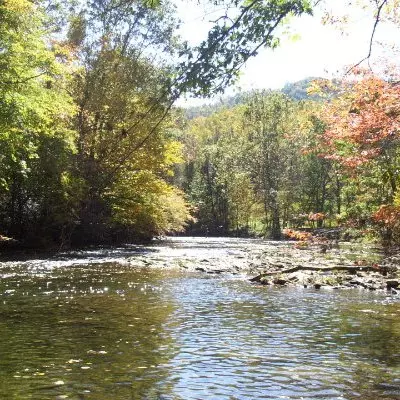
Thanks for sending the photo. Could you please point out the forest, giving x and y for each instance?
(94, 151)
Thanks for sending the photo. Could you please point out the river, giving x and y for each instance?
(90, 325)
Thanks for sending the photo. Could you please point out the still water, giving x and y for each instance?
(107, 330)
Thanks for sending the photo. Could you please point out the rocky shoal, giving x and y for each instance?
(284, 264)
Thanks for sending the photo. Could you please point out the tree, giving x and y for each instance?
(270, 116)
(364, 126)
(362, 137)
(254, 167)
(217, 178)
(124, 151)
(85, 139)
(34, 115)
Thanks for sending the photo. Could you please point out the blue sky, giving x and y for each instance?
(321, 50)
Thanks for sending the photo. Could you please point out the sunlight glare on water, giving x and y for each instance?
(108, 330)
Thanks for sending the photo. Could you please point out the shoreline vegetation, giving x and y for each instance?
(94, 150)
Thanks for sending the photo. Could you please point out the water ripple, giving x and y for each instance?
(105, 330)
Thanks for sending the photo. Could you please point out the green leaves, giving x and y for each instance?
(232, 41)
(35, 135)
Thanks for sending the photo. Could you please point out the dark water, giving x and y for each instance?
(110, 331)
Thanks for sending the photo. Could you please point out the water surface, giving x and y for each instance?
(107, 330)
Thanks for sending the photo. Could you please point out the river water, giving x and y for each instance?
(88, 325)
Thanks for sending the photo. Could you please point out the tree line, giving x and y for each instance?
(92, 149)
(274, 162)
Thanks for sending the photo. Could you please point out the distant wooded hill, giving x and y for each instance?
(295, 90)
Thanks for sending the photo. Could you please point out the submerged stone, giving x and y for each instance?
(317, 285)
(280, 281)
(392, 284)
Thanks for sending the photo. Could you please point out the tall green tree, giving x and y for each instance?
(35, 112)
(270, 116)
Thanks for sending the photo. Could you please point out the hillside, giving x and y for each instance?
(295, 90)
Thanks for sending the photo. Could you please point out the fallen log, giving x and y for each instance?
(347, 268)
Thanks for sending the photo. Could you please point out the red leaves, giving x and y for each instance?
(387, 215)
(362, 121)
(297, 235)
(316, 216)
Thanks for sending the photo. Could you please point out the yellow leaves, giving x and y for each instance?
(321, 87)
(173, 153)
(392, 10)
(35, 79)
(296, 37)
(149, 204)
(65, 178)
(19, 6)
(396, 200)
(174, 211)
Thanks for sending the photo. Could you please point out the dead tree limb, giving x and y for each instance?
(347, 268)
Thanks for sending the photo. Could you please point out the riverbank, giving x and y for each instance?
(283, 263)
(340, 265)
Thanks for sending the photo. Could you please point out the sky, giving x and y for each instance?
(320, 50)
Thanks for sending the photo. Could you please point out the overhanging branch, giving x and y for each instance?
(377, 20)
(23, 80)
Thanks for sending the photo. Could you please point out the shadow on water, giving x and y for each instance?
(86, 334)
(88, 253)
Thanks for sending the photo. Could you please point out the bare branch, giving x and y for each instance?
(377, 20)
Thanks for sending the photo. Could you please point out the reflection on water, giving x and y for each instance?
(108, 331)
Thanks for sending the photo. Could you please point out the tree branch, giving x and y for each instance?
(377, 20)
(179, 85)
(22, 80)
(349, 268)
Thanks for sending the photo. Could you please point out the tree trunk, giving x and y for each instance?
(338, 194)
(276, 233)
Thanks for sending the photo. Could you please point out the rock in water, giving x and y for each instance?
(392, 284)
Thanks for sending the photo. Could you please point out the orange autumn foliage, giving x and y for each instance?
(297, 235)
(363, 122)
(387, 215)
(316, 216)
